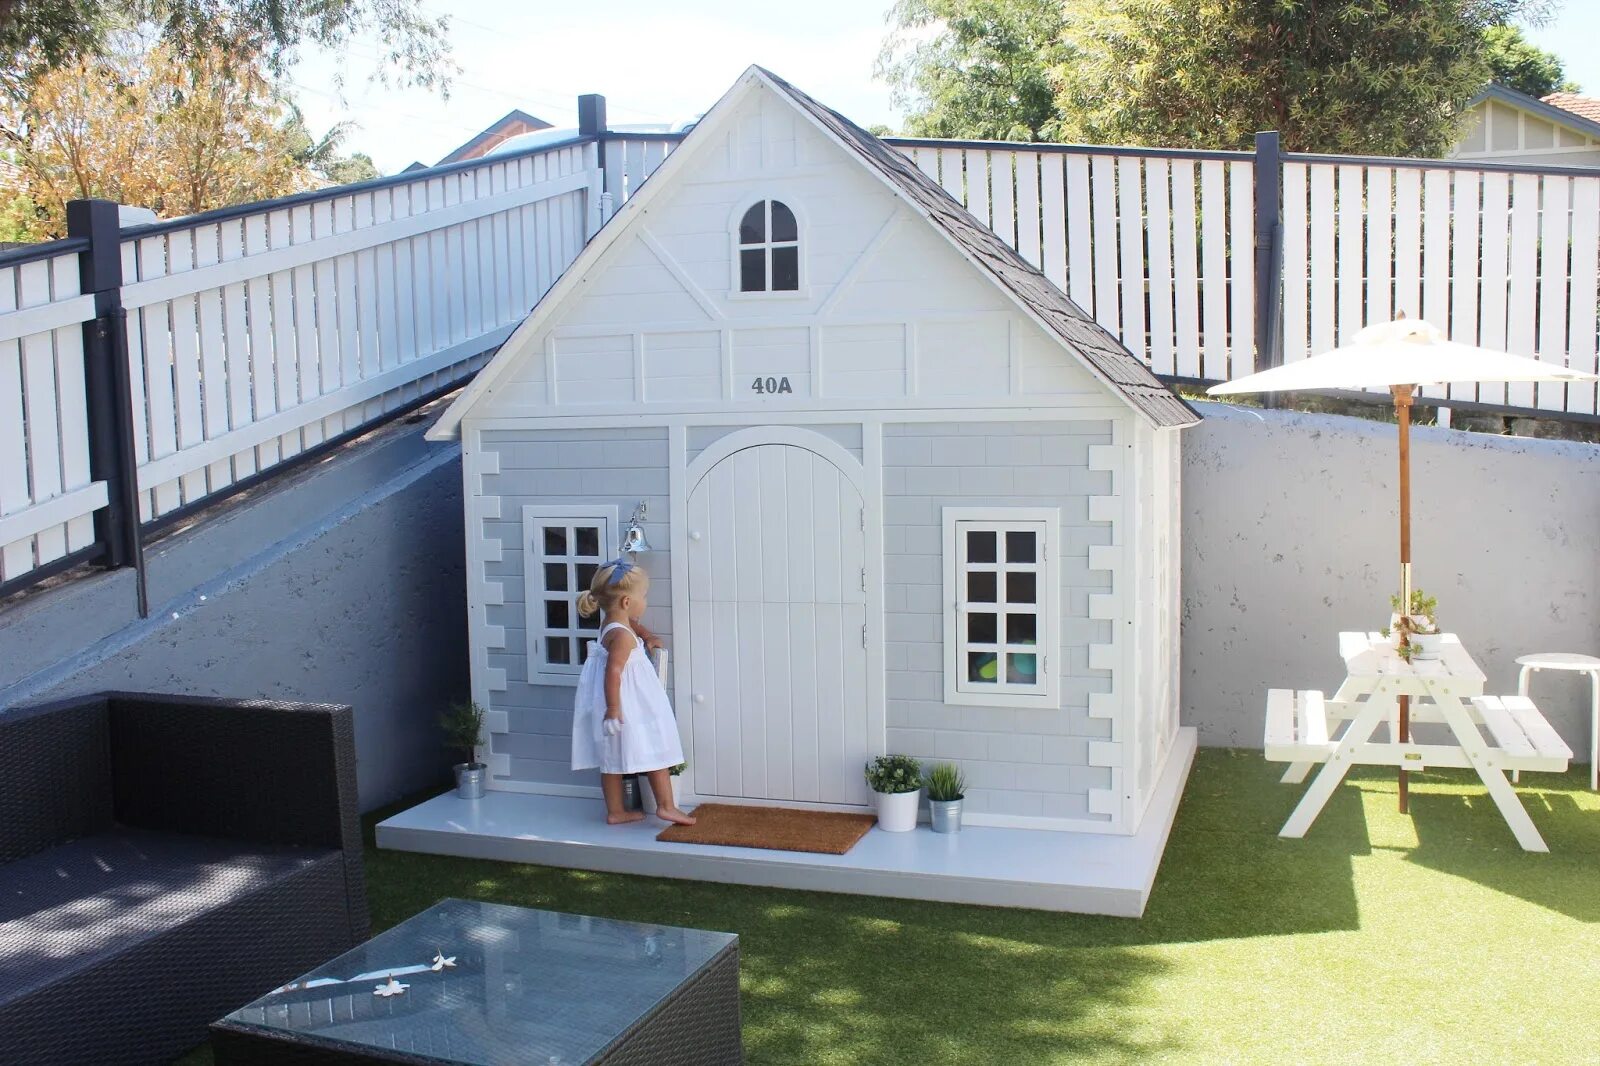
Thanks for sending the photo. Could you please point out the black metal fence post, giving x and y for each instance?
(592, 123)
(109, 388)
(1269, 251)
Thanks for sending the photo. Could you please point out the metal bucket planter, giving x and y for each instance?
(897, 811)
(945, 815)
(630, 793)
(469, 780)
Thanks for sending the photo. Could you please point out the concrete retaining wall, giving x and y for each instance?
(341, 583)
(1291, 535)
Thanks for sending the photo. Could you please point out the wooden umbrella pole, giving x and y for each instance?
(1402, 411)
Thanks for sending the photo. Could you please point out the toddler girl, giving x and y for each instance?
(621, 720)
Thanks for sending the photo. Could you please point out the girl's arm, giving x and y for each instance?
(618, 645)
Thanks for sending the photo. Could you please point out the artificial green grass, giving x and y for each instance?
(1380, 938)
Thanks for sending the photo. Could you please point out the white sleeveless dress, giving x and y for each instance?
(649, 737)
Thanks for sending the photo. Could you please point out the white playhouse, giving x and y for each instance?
(900, 495)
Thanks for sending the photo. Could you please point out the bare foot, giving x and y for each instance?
(624, 817)
(675, 816)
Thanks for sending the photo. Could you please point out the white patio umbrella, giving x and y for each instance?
(1401, 355)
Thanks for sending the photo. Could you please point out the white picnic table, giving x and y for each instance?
(1304, 728)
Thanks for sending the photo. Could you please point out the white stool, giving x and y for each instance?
(1582, 664)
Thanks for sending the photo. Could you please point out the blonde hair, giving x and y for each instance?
(603, 595)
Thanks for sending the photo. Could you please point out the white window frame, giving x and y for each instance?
(534, 521)
(801, 291)
(1046, 522)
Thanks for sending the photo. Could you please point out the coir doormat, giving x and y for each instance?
(774, 828)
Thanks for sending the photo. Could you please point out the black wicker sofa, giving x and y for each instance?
(164, 859)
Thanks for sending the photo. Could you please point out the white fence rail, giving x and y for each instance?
(256, 334)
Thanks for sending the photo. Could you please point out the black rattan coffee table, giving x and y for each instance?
(525, 986)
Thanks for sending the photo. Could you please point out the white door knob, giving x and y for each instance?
(694, 534)
(698, 698)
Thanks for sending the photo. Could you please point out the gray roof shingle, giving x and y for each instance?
(1104, 354)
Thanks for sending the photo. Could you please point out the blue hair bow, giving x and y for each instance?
(620, 570)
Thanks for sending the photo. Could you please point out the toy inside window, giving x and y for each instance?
(769, 249)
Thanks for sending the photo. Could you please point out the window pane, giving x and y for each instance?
(981, 586)
(981, 667)
(753, 227)
(558, 650)
(1021, 546)
(753, 270)
(1022, 629)
(1022, 669)
(591, 622)
(555, 540)
(586, 574)
(1021, 587)
(555, 577)
(583, 651)
(555, 614)
(785, 269)
(981, 628)
(588, 541)
(980, 546)
(783, 224)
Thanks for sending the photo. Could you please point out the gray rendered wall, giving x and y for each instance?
(1018, 762)
(342, 582)
(1290, 535)
(617, 467)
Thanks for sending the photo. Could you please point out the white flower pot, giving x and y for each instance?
(897, 811)
(1429, 645)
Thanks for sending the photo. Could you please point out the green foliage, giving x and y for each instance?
(462, 726)
(973, 68)
(677, 771)
(1518, 63)
(946, 782)
(42, 35)
(19, 217)
(1367, 76)
(894, 773)
(1423, 616)
(321, 155)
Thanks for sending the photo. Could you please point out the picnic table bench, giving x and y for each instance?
(1306, 729)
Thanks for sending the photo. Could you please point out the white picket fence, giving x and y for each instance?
(1159, 247)
(256, 334)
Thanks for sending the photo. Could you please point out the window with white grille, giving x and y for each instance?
(769, 248)
(562, 548)
(1001, 605)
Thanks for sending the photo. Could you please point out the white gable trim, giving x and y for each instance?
(448, 425)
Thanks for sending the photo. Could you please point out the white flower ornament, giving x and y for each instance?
(391, 987)
(440, 962)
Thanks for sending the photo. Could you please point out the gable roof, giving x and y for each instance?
(1546, 109)
(1583, 106)
(1105, 355)
(1098, 351)
(494, 130)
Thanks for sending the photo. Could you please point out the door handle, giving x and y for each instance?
(694, 534)
(698, 698)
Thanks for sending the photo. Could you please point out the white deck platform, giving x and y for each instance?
(1087, 873)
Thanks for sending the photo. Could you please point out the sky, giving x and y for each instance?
(658, 62)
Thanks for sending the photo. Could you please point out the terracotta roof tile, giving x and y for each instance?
(1586, 106)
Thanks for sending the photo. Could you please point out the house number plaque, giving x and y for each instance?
(775, 386)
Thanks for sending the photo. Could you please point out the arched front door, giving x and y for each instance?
(777, 602)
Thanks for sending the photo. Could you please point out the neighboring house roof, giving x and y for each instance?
(1584, 106)
(1587, 125)
(510, 124)
(1097, 349)
(1104, 354)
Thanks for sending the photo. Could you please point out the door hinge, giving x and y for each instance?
(863, 513)
(863, 634)
(863, 579)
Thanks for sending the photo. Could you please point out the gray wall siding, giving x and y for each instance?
(1018, 762)
(1290, 536)
(615, 467)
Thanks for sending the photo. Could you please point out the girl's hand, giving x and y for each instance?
(652, 642)
(611, 726)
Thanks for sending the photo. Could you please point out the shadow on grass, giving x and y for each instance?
(1461, 832)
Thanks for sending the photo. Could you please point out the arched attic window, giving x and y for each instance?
(769, 248)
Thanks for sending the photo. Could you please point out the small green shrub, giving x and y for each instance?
(946, 782)
(462, 726)
(678, 770)
(894, 773)
(1423, 616)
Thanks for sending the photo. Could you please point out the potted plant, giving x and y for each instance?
(896, 781)
(463, 729)
(947, 787)
(641, 785)
(1417, 629)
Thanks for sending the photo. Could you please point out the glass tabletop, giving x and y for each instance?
(486, 983)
